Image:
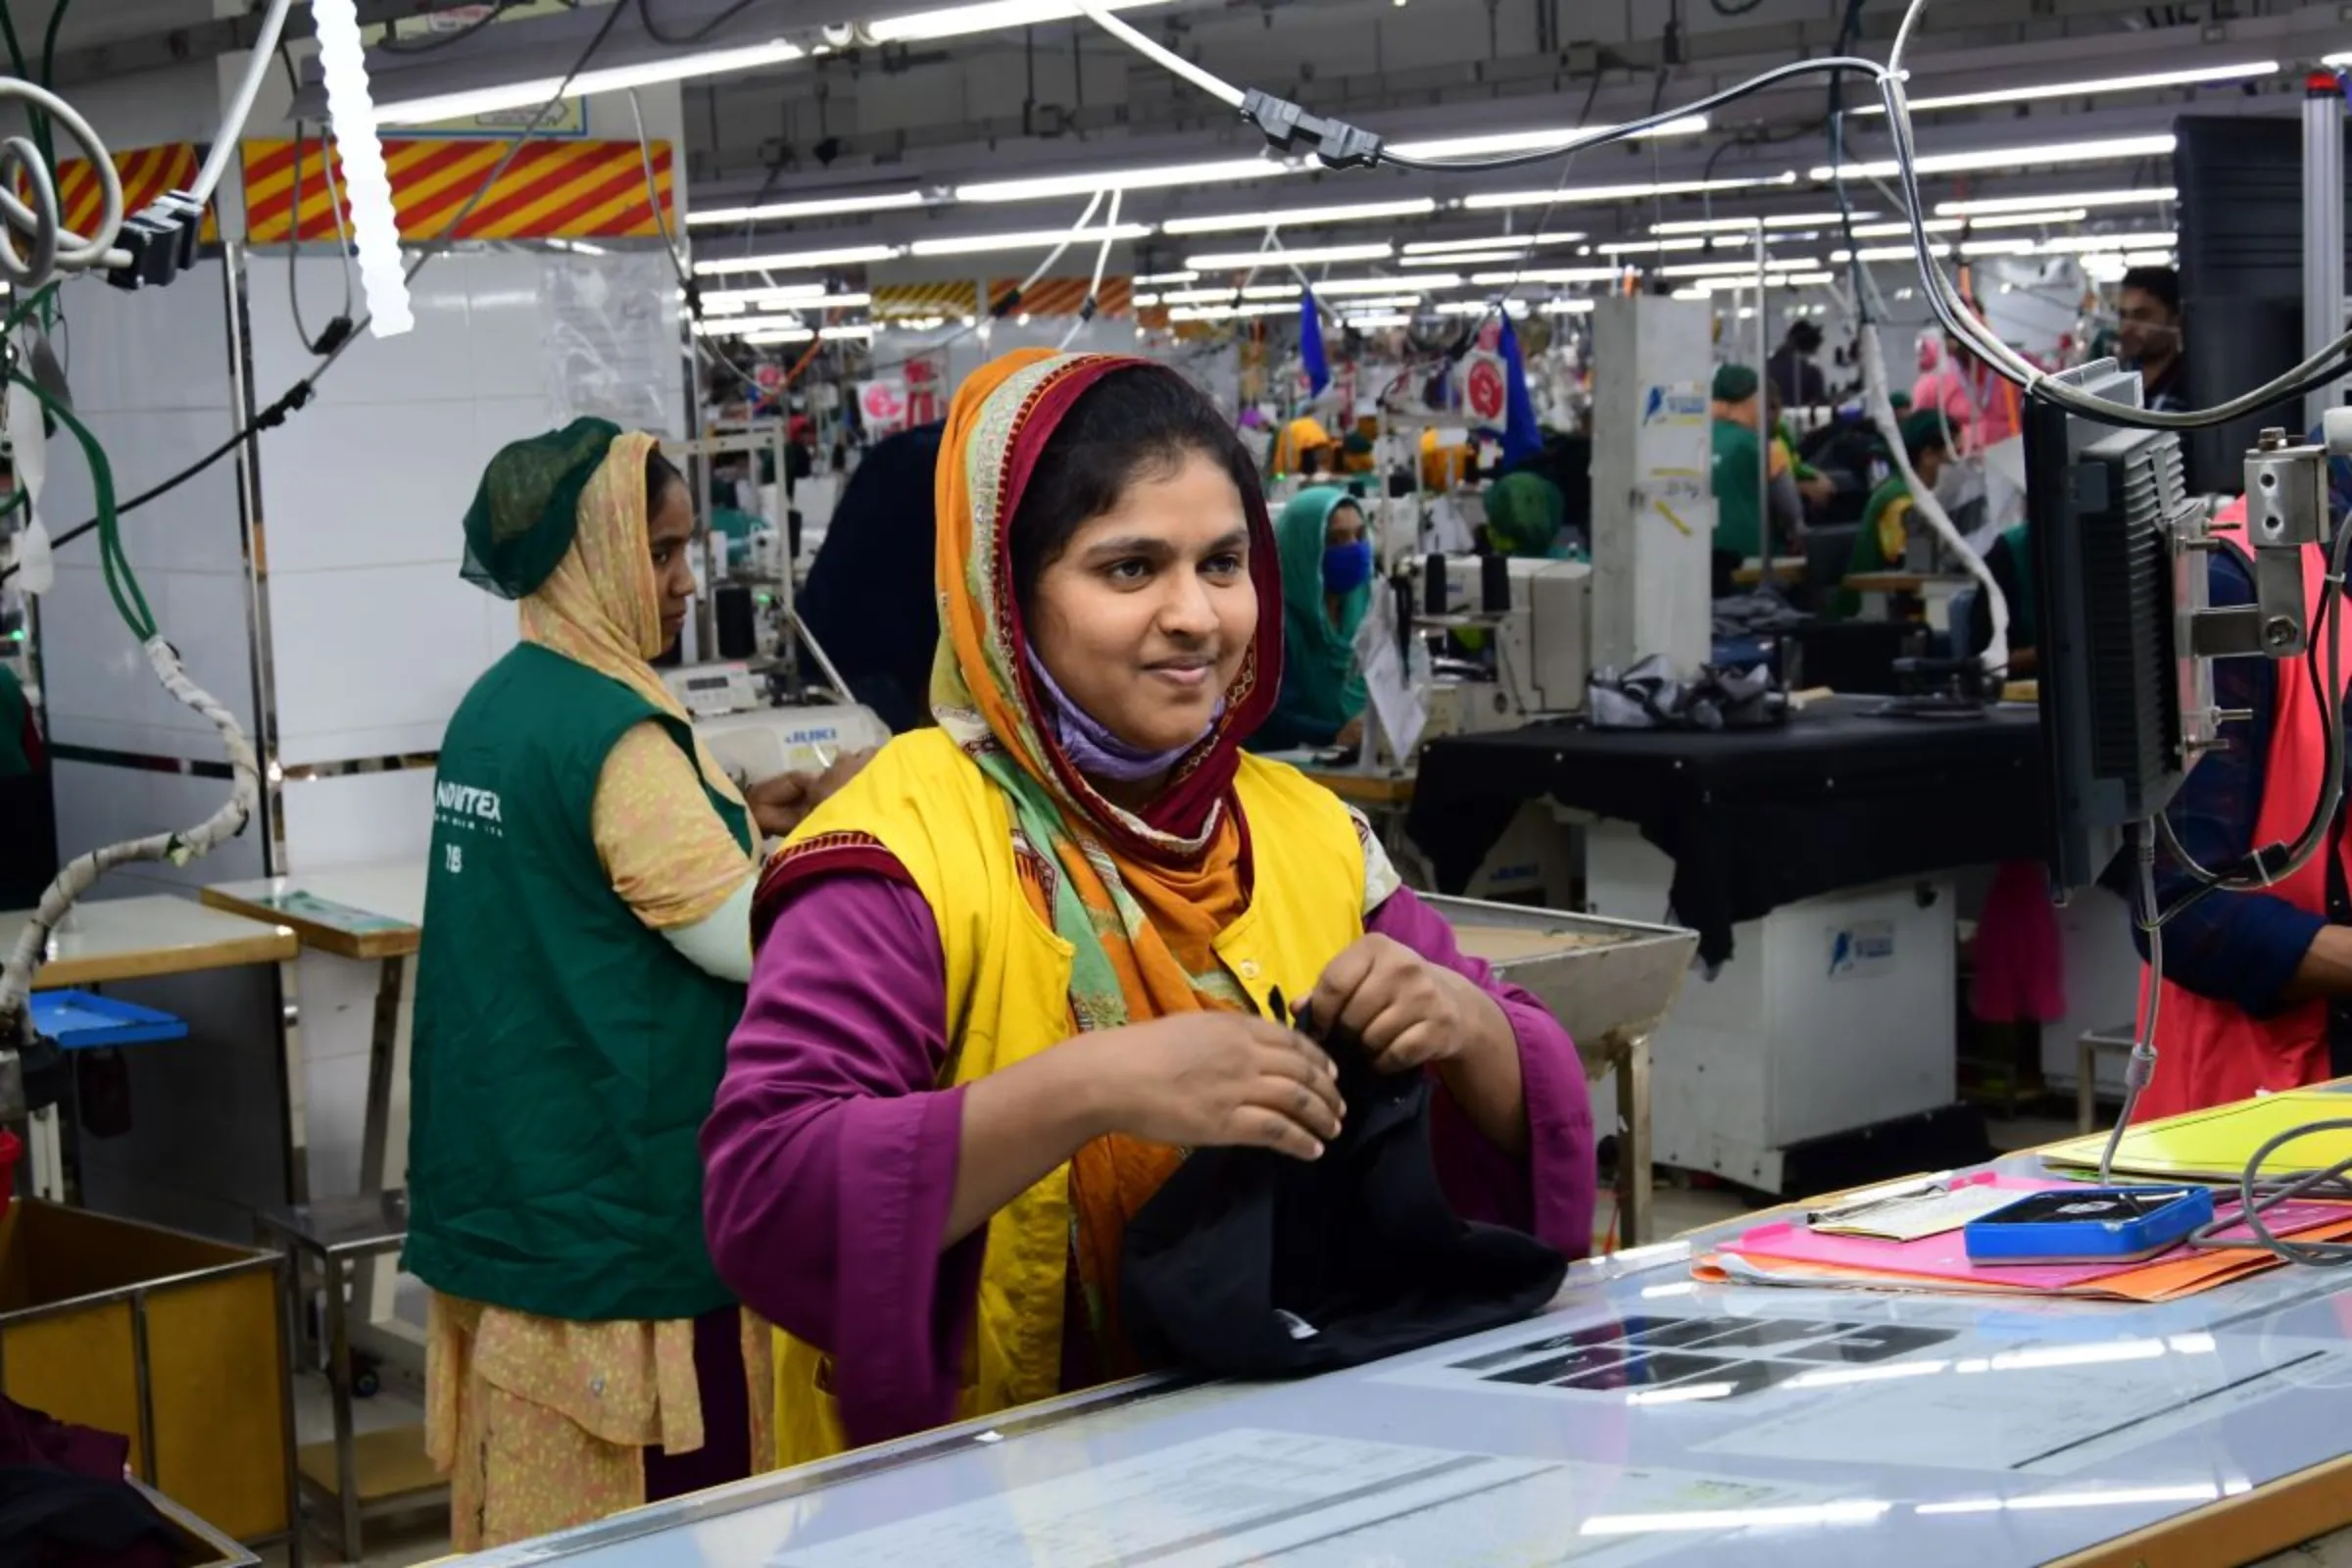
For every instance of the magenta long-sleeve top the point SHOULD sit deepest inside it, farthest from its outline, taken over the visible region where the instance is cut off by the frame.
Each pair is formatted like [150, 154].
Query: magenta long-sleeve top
[830, 1155]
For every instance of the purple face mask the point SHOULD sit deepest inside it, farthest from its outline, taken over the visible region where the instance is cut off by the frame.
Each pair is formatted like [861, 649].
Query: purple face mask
[1094, 750]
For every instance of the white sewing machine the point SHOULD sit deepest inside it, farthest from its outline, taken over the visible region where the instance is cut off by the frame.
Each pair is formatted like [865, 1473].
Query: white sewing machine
[754, 739]
[1537, 615]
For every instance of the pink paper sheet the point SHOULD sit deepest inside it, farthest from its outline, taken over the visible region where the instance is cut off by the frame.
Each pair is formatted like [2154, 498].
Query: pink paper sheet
[1945, 1256]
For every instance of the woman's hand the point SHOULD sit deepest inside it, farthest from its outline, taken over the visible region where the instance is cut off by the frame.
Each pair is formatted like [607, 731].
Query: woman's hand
[780, 804]
[1406, 1012]
[1205, 1080]
[1351, 733]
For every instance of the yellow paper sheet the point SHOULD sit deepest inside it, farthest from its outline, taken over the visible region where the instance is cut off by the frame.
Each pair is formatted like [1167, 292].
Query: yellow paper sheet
[2215, 1145]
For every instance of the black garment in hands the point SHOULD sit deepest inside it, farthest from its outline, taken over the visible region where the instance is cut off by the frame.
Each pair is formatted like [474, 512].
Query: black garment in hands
[1249, 1263]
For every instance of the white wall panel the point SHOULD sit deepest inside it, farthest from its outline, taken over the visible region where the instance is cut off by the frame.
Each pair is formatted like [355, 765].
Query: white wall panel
[98, 804]
[402, 513]
[101, 691]
[372, 663]
[358, 818]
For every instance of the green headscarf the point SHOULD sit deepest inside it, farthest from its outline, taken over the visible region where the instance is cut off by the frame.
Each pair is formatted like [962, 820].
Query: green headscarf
[527, 508]
[1525, 513]
[1321, 688]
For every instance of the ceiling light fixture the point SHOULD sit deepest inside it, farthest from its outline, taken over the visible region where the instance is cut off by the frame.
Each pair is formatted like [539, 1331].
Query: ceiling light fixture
[2071, 244]
[1460, 259]
[1533, 141]
[1747, 226]
[1032, 239]
[1242, 260]
[1047, 186]
[2114, 149]
[1742, 270]
[1236, 223]
[1185, 275]
[1335, 288]
[736, 302]
[797, 260]
[1546, 274]
[825, 207]
[1374, 324]
[1587, 195]
[1649, 247]
[535, 91]
[2030, 204]
[953, 21]
[1496, 242]
[2198, 76]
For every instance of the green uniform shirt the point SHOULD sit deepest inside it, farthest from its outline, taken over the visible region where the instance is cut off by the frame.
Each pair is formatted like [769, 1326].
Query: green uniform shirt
[1886, 511]
[1738, 472]
[565, 1056]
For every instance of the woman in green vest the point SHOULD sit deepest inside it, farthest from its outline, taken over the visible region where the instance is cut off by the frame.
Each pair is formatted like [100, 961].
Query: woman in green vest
[586, 944]
[1887, 517]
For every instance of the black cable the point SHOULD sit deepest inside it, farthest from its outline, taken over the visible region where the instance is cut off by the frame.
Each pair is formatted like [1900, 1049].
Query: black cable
[1723, 8]
[392, 44]
[645, 8]
[300, 392]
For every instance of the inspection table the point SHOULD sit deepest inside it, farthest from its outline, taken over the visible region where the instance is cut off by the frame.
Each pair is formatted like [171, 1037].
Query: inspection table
[101, 941]
[1645, 1419]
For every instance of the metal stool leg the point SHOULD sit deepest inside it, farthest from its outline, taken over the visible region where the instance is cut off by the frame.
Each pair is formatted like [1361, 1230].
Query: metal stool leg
[347, 1479]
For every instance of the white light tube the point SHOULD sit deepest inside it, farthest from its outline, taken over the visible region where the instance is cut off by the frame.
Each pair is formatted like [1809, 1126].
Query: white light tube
[1531, 141]
[1574, 196]
[826, 207]
[2084, 89]
[952, 22]
[1087, 184]
[797, 260]
[374, 228]
[1031, 240]
[1242, 260]
[2114, 149]
[2029, 204]
[537, 90]
[1237, 223]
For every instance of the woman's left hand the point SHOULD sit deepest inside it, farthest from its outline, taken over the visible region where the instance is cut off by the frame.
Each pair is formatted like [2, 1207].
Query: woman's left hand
[1406, 1012]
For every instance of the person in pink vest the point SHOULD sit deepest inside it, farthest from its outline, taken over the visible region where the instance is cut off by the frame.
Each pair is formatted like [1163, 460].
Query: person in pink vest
[1970, 392]
[2257, 986]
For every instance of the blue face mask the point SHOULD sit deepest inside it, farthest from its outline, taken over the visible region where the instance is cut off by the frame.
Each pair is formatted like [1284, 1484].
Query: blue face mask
[1347, 567]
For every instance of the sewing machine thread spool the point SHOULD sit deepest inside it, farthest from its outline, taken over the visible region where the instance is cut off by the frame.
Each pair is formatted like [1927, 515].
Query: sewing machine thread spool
[1494, 584]
[1433, 585]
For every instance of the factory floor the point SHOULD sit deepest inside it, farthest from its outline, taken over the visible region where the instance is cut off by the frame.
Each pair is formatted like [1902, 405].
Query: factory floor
[402, 1543]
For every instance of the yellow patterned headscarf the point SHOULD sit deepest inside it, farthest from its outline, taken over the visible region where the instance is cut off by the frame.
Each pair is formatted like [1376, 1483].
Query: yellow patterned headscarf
[602, 604]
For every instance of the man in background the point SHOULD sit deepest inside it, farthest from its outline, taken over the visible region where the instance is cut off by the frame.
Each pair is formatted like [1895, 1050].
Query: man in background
[1791, 369]
[2151, 340]
[869, 601]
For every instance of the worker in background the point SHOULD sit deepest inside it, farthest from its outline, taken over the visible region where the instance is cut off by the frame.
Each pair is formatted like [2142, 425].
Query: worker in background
[2257, 986]
[1326, 588]
[1792, 371]
[1026, 960]
[1446, 465]
[1813, 490]
[1301, 439]
[587, 937]
[869, 600]
[1886, 515]
[1741, 476]
[2151, 341]
[1980, 406]
[1527, 517]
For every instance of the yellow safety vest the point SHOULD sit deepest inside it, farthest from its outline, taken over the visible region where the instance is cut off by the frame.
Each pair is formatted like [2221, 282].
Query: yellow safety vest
[1007, 991]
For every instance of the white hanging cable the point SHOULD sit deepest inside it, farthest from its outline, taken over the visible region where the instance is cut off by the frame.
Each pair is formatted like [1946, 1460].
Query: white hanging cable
[50, 247]
[1922, 497]
[376, 230]
[1094, 289]
[240, 109]
[1109, 22]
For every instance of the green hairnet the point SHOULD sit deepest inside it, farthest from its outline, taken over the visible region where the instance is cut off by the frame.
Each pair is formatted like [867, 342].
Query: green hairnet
[1923, 430]
[528, 507]
[1735, 383]
[1357, 442]
[1523, 513]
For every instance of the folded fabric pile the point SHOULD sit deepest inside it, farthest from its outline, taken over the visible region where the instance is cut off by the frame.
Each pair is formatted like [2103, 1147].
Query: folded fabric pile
[1651, 696]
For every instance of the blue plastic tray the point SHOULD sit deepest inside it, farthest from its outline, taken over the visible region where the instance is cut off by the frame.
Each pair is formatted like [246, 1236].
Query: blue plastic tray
[80, 1022]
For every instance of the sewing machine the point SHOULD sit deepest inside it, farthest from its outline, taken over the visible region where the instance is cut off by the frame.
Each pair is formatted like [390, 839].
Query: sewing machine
[754, 738]
[1536, 619]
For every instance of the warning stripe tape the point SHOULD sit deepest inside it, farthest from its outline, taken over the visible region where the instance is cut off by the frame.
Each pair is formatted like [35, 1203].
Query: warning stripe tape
[551, 190]
[925, 299]
[1066, 296]
[147, 173]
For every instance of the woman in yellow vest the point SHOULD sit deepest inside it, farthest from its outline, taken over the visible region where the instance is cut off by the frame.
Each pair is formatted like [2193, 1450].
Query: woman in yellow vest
[1027, 958]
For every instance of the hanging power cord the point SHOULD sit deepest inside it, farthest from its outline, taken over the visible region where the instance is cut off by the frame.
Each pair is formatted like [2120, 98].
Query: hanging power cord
[34, 243]
[688, 285]
[1094, 287]
[340, 327]
[301, 392]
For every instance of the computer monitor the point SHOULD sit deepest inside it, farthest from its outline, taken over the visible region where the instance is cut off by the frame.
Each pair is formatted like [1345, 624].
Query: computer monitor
[2109, 513]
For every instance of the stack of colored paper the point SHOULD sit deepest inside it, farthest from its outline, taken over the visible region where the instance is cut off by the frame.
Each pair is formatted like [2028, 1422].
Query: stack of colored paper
[2213, 1145]
[1794, 1255]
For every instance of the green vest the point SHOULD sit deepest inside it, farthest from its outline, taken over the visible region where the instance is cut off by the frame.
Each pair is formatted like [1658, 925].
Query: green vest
[565, 1056]
[1869, 554]
[1739, 505]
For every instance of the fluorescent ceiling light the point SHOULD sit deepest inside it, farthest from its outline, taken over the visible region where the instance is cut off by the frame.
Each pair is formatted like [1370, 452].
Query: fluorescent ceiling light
[1546, 274]
[1565, 308]
[743, 325]
[1747, 225]
[1587, 195]
[1032, 239]
[1224, 313]
[1742, 270]
[2066, 244]
[851, 255]
[2084, 90]
[537, 90]
[1533, 141]
[1953, 225]
[1332, 286]
[1649, 247]
[1239, 261]
[1496, 242]
[1187, 275]
[2111, 150]
[1392, 301]
[1374, 323]
[1460, 259]
[951, 22]
[2337, 61]
[788, 297]
[1233, 223]
[1047, 186]
[1479, 307]
[832, 334]
[827, 207]
[2030, 204]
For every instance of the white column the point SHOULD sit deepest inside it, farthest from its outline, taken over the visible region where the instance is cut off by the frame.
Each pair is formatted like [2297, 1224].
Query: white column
[1653, 511]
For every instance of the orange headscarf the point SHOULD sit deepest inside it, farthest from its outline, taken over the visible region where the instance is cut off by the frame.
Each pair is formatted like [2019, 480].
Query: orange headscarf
[1139, 896]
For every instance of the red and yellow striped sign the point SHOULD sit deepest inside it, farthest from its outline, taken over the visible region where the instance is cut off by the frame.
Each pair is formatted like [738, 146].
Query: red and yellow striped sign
[899, 301]
[147, 173]
[553, 191]
[1063, 296]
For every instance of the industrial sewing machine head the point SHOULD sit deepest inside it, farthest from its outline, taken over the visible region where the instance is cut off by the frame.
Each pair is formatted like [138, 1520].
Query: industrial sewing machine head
[1520, 643]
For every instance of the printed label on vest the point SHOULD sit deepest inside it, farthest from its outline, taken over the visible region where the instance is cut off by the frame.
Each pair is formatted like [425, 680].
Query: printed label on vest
[467, 809]
[1862, 950]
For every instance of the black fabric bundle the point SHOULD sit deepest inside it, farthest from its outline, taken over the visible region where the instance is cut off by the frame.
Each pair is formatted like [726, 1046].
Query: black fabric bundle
[1249, 1263]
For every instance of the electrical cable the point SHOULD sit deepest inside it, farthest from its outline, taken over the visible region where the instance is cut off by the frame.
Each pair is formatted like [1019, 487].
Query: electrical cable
[653, 29]
[301, 392]
[240, 107]
[1094, 287]
[326, 158]
[688, 285]
[41, 225]
[2141, 1068]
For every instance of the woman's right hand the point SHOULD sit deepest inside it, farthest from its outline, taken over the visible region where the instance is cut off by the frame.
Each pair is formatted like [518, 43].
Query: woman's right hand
[1206, 1080]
